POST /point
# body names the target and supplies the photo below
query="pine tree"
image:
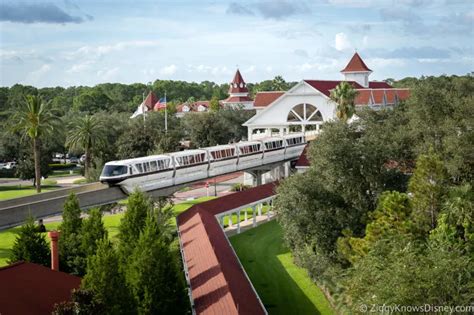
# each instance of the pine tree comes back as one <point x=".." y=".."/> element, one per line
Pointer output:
<point x="133" y="222"/>
<point x="107" y="281"/>
<point x="71" y="256"/>
<point x="214" y="105"/>
<point x="30" y="245"/>
<point x="153" y="275"/>
<point x="426" y="186"/>
<point x="93" y="230"/>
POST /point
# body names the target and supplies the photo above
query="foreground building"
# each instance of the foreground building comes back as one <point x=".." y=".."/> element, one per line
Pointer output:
<point x="306" y="106"/>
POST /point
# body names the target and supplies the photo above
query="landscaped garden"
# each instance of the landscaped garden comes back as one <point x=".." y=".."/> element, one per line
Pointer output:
<point x="111" y="223"/>
<point x="283" y="287"/>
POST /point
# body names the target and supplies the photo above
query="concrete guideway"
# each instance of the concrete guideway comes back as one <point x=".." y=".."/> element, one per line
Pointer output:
<point x="14" y="211"/>
<point x="47" y="204"/>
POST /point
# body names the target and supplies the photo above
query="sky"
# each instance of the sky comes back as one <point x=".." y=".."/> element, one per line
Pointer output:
<point x="86" y="42"/>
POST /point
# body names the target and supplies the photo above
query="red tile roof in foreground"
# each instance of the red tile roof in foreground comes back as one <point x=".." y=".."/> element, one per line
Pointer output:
<point x="219" y="285"/>
<point x="303" y="161"/>
<point x="356" y="64"/>
<point x="27" y="288"/>
<point x="263" y="99"/>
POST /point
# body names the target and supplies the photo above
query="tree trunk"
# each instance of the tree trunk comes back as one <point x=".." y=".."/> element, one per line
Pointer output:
<point x="36" y="154"/>
<point x="87" y="163"/>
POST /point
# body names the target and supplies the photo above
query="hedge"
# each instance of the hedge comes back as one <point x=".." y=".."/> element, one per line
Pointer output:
<point x="57" y="167"/>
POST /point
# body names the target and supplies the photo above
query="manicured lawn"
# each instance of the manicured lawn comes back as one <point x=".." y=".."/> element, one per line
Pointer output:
<point x="15" y="191"/>
<point x="65" y="173"/>
<point x="283" y="287"/>
<point x="111" y="222"/>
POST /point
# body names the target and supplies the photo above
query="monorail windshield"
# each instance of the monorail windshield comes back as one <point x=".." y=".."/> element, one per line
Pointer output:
<point x="114" y="170"/>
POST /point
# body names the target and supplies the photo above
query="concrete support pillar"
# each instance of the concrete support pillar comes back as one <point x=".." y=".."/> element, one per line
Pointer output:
<point x="303" y="129"/>
<point x="260" y="206"/>
<point x="245" y="215"/>
<point x="268" y="132"/>
<point x="282" y="131"/>
<point x="238" y="222"/>
<point x="230" y="220"/>
<point x="257" y="177"/>
<point x="254" y="215"/>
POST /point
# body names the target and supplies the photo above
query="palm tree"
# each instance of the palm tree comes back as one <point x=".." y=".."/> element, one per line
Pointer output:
<point x="36" y="119"/>
<point x="86" y="133"/>
<point x="344" y="95"/>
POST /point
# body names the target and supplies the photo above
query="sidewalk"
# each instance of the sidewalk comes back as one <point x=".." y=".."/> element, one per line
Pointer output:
<point x="247" y="225"/>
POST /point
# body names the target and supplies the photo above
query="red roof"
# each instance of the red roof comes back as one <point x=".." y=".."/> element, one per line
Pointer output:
<point x="263" y="99"/>
<point x="150" y="100"/>
<point x="379" y="85"/>
<point x="325" y="86"/>
<point x="303" y="161"/>
<point x="27" y="288"/>
<point x="219" y="285"/>
<point x="363" y="97"/>
<point x="237" y="99"/>
<point x="378" y="96"/>
<point x="356" y="64"/>
<point x="238" y="84"/>
<point x="403" y="94"/>
<point x="390" y="95"/>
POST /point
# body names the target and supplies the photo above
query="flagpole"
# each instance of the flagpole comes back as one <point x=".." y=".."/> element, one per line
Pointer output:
<point x="166" y="114"/>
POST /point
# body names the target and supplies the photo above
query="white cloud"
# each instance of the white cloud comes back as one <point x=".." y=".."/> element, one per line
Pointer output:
<point x="101" y="50"/>
<point x="379" y="63"/>
<point x="34" y="77"/>
<point x="80" y="67"/>
<point x="249" y="69"/>
<point x="168" y="70"/>
<point x="107" y="74"/>
<point x="341" y="42"/>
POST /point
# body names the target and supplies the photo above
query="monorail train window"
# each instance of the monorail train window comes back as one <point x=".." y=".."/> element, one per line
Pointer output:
<point x="153" y="166"/>
<point x="114" y="170"/>
<point x="146" y="167"/>
<point x="248" y="149"/>
<point x="294" y="141"/>
<point x="274" y="144"/>
<point x="222" y="154"/>
<point x="139" y="167"/>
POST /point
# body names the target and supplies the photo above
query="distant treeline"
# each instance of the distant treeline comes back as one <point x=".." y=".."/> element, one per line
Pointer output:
<point x="119" y="97"/>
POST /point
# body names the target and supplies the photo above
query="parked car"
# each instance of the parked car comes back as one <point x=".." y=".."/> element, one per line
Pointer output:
<point x="10" y="165"/>
<point x="82" y="159"/>
<point x="73" y="160"/>
<point x="2" y="166"/>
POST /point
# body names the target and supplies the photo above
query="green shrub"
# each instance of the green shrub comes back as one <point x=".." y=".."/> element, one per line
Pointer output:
<point x="58" y="166"/>
<point x="239" y="187"/>
<point x="7" y="173"/>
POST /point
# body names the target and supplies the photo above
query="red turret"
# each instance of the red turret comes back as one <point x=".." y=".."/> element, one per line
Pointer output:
<point x="238" y="84"/>
<point x="356" y="64"/>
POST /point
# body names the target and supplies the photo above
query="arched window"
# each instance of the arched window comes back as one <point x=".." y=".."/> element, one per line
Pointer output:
<point x="304" y="113"/>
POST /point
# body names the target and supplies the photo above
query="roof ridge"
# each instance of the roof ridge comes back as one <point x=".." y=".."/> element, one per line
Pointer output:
<point x="21" y="262"/>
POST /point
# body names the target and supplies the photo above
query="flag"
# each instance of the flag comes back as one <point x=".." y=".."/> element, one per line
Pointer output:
<point x="161" y="104"/>
<point x="140" y="110"/>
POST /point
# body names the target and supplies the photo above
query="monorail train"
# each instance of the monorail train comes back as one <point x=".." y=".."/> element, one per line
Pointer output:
<point x="159" y="171"/>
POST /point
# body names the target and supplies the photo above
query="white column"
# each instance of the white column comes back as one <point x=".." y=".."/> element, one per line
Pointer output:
<point x="222" y="220"/>
<point x="249" y="133"/>
<point x="238" y="222"/>
<point x="282" y="132"/>
<point x="260" y="206"/>
<point x="230" y="220"/>
<point x="245" y="215"/>
<point x="254" y="217"/>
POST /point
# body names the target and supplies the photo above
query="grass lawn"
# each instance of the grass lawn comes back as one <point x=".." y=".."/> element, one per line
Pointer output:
<point x="65" y="173"/>
<point x="9" y="192"/>
<point x="111" y="222"/>
<point x="283" y="287"/>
